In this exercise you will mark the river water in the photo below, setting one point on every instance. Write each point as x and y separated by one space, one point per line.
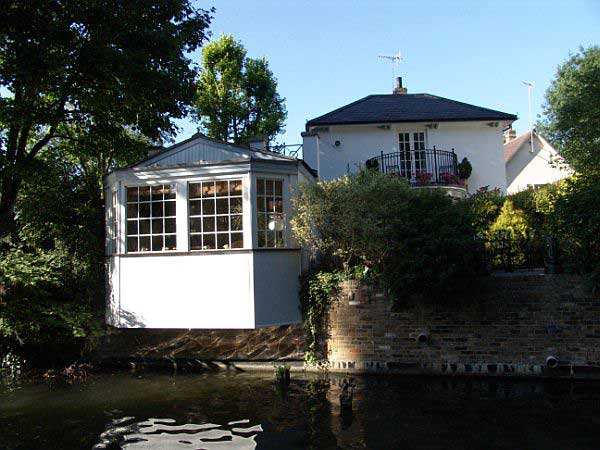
248 410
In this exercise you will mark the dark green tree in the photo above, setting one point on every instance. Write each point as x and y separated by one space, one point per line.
237 95
71 69
572 110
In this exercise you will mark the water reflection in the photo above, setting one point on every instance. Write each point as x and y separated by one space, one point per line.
247 411
160 434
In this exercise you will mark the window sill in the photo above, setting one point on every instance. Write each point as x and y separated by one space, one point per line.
203 252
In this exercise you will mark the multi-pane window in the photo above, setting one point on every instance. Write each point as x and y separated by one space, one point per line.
419 148
216 215
270 217
405 157
151 218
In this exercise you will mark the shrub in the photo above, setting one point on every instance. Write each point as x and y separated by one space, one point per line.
484 207
417 243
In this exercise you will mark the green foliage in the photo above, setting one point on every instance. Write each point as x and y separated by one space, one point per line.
484 207
417 243
511 222
237 96
465 169
316 294
70 68
572 110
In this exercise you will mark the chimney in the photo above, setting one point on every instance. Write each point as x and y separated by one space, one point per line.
257 143
509 134
399 89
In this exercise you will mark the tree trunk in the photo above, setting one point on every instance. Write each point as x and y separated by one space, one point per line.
8 192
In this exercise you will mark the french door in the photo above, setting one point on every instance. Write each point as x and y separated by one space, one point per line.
412 153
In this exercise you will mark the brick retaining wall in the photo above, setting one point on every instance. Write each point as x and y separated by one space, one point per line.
511 326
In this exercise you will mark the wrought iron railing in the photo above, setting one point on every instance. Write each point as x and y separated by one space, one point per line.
420 167
291 150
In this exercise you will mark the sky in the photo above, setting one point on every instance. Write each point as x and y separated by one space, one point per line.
325 54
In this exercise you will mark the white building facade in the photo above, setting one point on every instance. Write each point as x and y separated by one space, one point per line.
198 236
418 135
530 167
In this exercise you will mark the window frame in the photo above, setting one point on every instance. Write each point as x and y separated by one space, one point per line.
230 232
150 218
282 214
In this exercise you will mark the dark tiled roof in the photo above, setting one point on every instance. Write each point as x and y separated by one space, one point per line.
407 108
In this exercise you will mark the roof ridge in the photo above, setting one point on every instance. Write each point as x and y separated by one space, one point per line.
469 104
341 108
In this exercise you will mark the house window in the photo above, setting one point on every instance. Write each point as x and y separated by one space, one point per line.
419 148
216 215
112 223
270 217
151 218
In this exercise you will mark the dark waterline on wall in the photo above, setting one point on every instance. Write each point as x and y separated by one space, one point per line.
245 411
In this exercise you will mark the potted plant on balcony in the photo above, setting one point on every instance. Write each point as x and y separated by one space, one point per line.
464 170
423 178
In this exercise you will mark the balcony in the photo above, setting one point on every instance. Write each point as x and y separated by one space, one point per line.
422 168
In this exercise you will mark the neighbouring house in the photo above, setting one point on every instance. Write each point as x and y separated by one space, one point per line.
198 236
528 167
418 136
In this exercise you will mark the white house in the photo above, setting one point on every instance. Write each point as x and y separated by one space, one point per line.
419 136
198 237
526 168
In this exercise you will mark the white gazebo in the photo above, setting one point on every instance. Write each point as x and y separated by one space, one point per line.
198 236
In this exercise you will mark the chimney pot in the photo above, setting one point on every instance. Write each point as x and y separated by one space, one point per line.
399 89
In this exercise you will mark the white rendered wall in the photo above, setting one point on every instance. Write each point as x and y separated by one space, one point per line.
277 287
203 290
477 141
528 169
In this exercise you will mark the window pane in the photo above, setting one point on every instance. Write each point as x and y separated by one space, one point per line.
132 244
223 223
235 187
208 189
144 244
144 226
170 242
132 227
170 225
261 239
269 187
223 240
270 239
222 188
279 242
132 210
237 222
196 225
208 224
278 188
157 226
157 193
208 207
144 193
222 206
271 205
169 191
170 209
132 194
262 222
208 241
157 243
196 242
195 207
195 190
235 205
237 240
260 187
144 209
262 204
157 209
279 206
